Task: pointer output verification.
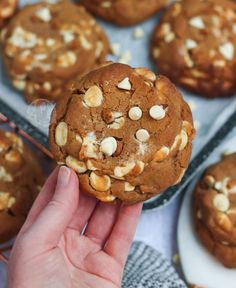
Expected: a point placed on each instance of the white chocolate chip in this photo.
(129, 187)
(209, 180)
(115, 49)
(156, 52)
(93, 97)
(19, 84)
(22, 38)
(124, 84)
(61, 134)
(184, 139)
(221, 202)
(6, 201)
(68, 35)
(99, 49)
(146, 73)
(197, 22)
(100, 183)
(227, 50)
(121, 171)
(138, 33)
(108, 146)
(50, 42)
(4, 176)
(190, 44)
(106, 4)
(161, 154)
(44, 14)
(135, 113)
(78, 138)
(169, 37)
(157, 112)
(75, 164)
(85, 43)
(142, 135)
(47, 86)
(90, 165)
(90, 147)
(40, 56)
(67, 59)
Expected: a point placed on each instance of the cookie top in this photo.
(194, 45)
(123, 12)
(7, 9)
(126, 132)
(20, 180)
(46, 45)
(215, 209)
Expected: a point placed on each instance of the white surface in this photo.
(198, 265)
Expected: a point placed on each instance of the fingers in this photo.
(56, 216)
(42, 200)
(101, 223)
(122, 235)
(86, 207)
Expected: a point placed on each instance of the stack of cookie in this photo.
(21, 178)
(215, 210)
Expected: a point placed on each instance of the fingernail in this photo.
(63, 177)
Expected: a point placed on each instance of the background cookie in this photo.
(112, 130)
(20, 180)
(46, 45)
(194, 45)
(124, 12)
(215, 210)
(7, 9)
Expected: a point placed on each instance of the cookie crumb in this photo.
(115, 49)
(125, 57)
(138, 33)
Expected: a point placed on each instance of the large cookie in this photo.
(20, 180)
(7, 9)
(47, 45)
(194, 45)
(126, 132)
(123, 12)
(215, 210)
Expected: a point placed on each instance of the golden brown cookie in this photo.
(123, 12)
(215, 210)
(7, 9)
(194, 45)
(126, 132)
(20, 181)
(47, 45)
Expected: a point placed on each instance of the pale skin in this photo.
(54, 249)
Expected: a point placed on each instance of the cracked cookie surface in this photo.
(126, 132)
(20, 181)
(195, 46)
(46, 45)
(123, 12)
(215, 210)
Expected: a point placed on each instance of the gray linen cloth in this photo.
(146, 268)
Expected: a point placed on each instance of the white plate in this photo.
(198, 265)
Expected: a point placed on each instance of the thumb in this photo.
(56, 216)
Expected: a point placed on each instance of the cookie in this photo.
(123, 12)
(215, 210)
(194, 45)
(46, 45)
(7, 9)
(126, 132)
(20, 181)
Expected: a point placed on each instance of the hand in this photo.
(71, 240)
